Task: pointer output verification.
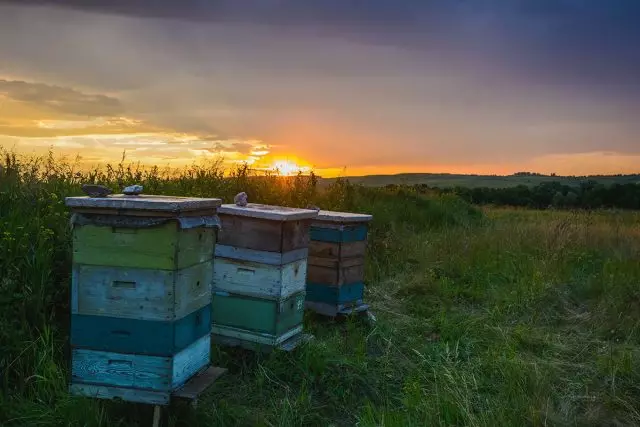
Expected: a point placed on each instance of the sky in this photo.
(344, 87)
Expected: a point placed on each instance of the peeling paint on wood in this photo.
(165, 247)
(338, 250)
(264, 235)
(339, 235)
(150, 337)
(335, 275)
(143, 294)
(131, 371)
(335, 294)
(264, 257)
(260, 315)
(260, 280)
(121, 393)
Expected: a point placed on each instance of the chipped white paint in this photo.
(256, 279)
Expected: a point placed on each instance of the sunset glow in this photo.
(287, 168)
(488, 88)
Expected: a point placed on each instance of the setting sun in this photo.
(287, 168)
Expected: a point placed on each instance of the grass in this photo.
(493, 317)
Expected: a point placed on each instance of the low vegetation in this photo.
(485, 316)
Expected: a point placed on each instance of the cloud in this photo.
(61, 99)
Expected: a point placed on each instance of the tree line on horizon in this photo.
(588, 195)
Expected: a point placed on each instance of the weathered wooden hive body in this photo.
(141, 294)
(260, 275)
(335, 271)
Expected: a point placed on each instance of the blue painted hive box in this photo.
(335, 271)
(140, 294)
(260, 276)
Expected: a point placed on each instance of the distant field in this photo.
(472, 181)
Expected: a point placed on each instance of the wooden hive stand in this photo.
(335, 272)
(260, 276)
(141, 297)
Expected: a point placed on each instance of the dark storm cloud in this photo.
(61, 99)
(568, 42)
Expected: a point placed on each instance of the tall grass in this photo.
(495, 317)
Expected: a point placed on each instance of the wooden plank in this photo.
(164, 247)
(146, 213)
(195, 246)
(190, 361)
(193, 288)
(221, 334)
(260, 280)
(335, 263)
(263, 257)
(341, 217)
(257, 314)
(337, 250)
(148, 337)
(144, 202)
(121, 370)
(121, 393)
(142, 294)
(333, 310)
(74, 289)
(199, 383)
(269, 212)
(335, 276)
(335, 295)
(346, 234)
(263, 235)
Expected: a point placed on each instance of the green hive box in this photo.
(335, 271)
(259, 276)
(141, 295)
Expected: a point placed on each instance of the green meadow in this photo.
(486, 316)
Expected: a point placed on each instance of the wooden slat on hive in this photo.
(337, 250)
(259, 280)
(149, 337)
(164, 247)
(335, 275)
(257, 314)
(144, 202)
(199, 383)
(123, 393)
(263, 257)
(344, 234)
(264, 235)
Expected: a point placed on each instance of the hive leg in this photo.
(156, 416)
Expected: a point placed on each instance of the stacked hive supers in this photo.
(335, 272)
(141, 294)
(260, 274)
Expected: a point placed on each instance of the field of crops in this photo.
(486, 317)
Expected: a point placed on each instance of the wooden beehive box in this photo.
(260, 275)
(141, 294)
(335, 271)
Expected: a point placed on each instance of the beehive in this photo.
(141, 294)
(335, 271)
(260, 275)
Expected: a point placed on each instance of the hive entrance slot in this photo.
(123, 284)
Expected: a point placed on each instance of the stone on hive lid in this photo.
(276, 213)
(94, 190)
(342, 217)
(144, 203)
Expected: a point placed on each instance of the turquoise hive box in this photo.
(140, 295)
(335, 271)
(260, 276)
